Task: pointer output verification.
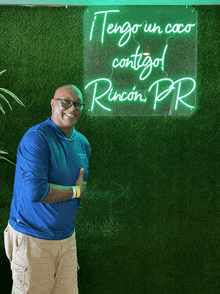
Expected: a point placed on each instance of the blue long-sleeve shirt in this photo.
(45, 155)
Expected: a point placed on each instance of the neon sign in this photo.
(140, 60)
(135, 64)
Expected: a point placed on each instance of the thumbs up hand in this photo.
(82, 184)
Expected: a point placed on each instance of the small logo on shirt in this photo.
(82, 155)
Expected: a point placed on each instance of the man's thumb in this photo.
(81, 172)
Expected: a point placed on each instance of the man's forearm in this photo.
(58, 193)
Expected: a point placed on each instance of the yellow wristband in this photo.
(77, 192)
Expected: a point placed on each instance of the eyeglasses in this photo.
(65, 103)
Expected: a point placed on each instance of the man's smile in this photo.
(69, 115)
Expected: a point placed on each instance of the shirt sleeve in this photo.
(33, 155)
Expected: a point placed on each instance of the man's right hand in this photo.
(82, 184)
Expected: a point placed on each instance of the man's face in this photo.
(65, 117)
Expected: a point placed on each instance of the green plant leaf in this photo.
(3, 152)
(2, 71)
(1, 157)
(1, 108)
(13, 95)
(6, 100)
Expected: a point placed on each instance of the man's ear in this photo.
(52, 103)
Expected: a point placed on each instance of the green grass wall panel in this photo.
(150, 220)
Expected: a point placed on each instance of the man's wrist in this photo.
(58, 193)
(76, 192)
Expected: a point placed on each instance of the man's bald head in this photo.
(68, 89)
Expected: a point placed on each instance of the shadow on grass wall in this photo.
(150, 220)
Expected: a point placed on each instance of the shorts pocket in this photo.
(8, 244)
(18, 276)
(6, 229)
(18, 291)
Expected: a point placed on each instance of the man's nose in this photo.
(72, 107)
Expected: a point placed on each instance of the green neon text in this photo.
(104, 22)
(135, 64)
(126, 29)
(125, 96)
(176, 28)
(164, 94)
(147, 28)
(134, 95)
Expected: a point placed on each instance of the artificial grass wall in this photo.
(150, 220)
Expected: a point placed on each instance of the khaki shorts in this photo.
(41, 266)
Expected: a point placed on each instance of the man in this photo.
(51, 169)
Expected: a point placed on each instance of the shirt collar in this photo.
(59, 131)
